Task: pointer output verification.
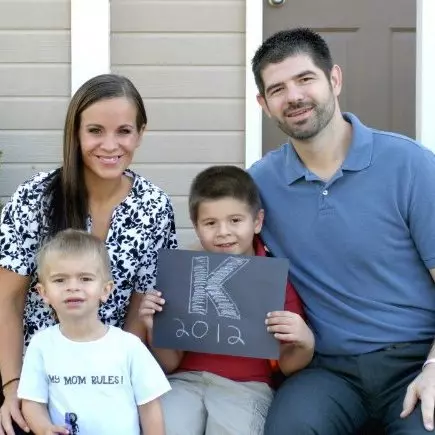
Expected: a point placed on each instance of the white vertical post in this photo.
(90, 40)
(253, 118)
(425, 72)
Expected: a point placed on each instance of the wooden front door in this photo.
(374, 43)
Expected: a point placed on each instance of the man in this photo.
(353, 210)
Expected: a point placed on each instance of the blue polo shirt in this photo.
(361, 245)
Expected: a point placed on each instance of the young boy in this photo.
(220, 394)
(82, 376)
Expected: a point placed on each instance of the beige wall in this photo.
(187, 59)
(185, 56)
(34, 86)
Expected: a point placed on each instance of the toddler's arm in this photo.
(151, 418)
(36, 415)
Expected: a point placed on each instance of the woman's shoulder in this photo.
(31, 190)
(29, 195)
(148, 194)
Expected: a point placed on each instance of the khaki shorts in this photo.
(203, 403)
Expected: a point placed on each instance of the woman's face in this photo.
(108, 137)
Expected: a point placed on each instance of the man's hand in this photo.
(10, 411)
(289, 327)
(152, 302)
(422, 388)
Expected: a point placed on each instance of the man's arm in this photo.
(423, 388)
(151, 418)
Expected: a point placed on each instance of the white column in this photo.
(253, 118)
(425, 73)
(90, 40)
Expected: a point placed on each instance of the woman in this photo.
(93, 190)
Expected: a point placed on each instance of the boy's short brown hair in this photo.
(74, 242)
(218, 182)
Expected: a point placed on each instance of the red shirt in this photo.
(238, 368)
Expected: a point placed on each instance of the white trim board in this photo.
(425, 71)
(253, 116)
(90, 40)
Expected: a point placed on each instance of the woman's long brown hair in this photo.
(66, 190)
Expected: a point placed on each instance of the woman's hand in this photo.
(11, 411)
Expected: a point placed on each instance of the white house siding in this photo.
(34, 86)
(187, 59)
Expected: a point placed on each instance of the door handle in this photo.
(276, 3)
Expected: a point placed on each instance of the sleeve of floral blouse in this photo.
(17, 235)
(163, 236)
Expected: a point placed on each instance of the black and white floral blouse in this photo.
(141, 224)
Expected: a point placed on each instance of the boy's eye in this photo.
(236, 220)
(58, 280)
(86, 278)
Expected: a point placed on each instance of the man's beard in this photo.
(308, 128)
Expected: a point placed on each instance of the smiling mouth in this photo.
(226, 245)
(112, 159)
(298, 112)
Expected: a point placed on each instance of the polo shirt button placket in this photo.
(324, 203)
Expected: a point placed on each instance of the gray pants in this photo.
(203, 403)
(335, 395)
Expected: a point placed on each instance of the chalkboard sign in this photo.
(217, 303)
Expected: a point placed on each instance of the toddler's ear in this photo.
(42, 292)
(107, 289)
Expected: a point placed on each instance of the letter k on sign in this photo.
(205, 286)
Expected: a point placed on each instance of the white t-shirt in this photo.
(101, 381)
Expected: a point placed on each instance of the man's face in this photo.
(299, 97)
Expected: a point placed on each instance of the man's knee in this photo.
(315, 401)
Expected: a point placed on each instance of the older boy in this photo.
(220, 394)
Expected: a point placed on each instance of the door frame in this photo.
(425, 71)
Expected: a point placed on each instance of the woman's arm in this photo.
(151, 418)
(13, 290)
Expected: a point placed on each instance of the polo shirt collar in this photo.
(358, 157)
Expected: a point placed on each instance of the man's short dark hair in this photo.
(218, 182)
(286, 43)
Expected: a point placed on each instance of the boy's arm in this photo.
(38, 419)
(294, 357)
(297, 339)
(152, 303)
(151, 418)
(169, 359)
